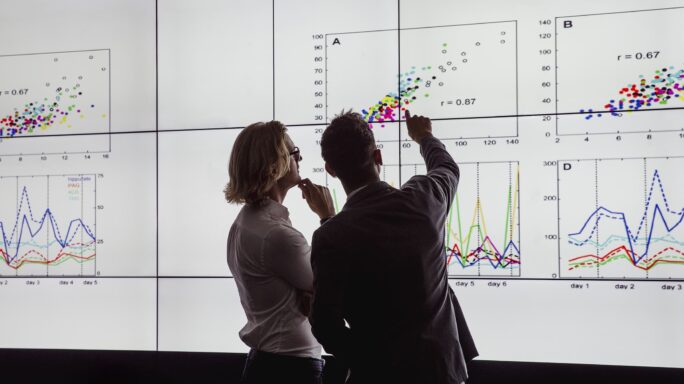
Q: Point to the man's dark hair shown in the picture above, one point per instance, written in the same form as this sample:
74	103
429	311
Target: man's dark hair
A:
347	145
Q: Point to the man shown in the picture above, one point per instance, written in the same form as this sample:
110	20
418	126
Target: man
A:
382	304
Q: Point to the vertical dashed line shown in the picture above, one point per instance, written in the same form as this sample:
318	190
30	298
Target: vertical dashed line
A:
596	205
477	210
47	232
82	224
16	271
510	226
645	205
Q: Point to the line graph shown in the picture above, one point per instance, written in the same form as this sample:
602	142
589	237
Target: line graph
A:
482	231
36	239
612	240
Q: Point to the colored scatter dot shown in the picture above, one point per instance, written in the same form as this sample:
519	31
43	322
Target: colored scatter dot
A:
434	77
427	95
444	44
92	105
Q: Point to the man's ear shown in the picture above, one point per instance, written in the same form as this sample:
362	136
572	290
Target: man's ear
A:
329	170
377	157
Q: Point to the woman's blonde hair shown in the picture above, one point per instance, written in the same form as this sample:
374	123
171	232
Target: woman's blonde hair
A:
260	157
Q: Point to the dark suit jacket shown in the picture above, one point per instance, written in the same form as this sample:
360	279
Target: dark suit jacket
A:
380	265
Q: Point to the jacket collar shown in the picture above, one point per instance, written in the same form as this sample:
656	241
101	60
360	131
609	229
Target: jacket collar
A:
365	192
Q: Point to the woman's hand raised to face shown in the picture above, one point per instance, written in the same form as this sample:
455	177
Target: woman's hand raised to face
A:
318	197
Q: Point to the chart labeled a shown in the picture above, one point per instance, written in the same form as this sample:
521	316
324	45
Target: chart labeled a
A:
443	72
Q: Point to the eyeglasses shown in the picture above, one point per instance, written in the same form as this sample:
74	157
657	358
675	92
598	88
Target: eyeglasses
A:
296	153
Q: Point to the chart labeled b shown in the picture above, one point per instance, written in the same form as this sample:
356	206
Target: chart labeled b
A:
616	76
621	218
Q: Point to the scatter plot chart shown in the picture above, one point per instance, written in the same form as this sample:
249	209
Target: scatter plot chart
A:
482	234
621	227
633	84
442	72
361	73
62	97
47	224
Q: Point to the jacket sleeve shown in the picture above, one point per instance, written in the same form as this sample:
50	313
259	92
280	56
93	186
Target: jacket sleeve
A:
442	170
327	313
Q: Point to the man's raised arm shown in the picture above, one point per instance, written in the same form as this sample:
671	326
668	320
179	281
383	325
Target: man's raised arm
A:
441	167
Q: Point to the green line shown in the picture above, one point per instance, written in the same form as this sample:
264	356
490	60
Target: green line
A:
451	212
465	250
337	209
613	238
621	256
460	229
508	214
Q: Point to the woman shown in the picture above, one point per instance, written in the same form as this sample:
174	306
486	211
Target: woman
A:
269	259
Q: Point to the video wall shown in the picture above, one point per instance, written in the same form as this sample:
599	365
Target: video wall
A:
565	242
